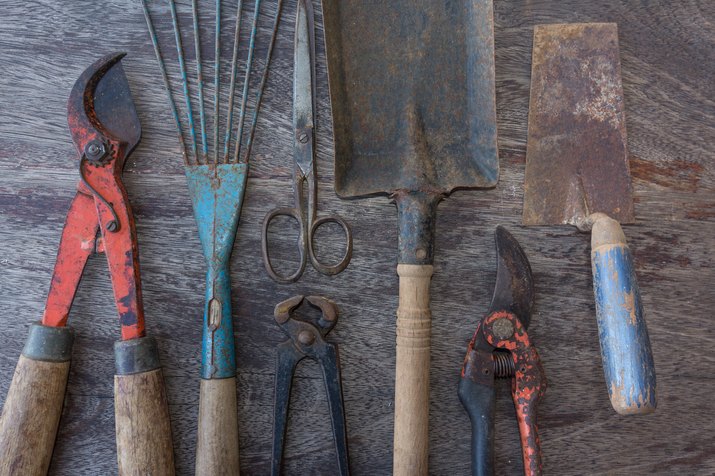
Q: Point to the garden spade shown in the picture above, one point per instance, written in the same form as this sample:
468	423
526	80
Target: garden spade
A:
414	117
577	173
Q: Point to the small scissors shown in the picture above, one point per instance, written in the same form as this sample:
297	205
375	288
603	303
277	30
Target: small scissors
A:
304	159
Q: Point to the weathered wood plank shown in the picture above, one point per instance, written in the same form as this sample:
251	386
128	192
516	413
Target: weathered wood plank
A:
668	61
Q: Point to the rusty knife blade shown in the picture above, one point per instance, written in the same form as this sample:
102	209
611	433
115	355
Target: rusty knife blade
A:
576	156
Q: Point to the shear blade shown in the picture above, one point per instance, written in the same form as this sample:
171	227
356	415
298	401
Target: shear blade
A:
514	289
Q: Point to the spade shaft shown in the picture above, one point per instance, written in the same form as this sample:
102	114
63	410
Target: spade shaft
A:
414	117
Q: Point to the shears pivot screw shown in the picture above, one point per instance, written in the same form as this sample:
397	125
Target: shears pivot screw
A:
502	328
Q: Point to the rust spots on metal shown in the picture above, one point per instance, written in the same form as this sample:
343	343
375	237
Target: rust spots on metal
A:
413	95
676	174
577	155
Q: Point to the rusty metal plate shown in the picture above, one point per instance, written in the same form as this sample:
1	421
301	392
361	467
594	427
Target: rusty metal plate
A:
413	95
576	156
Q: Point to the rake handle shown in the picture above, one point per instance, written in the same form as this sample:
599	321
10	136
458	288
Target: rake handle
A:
217	444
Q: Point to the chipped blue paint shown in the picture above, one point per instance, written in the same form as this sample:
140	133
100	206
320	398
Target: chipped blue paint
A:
217	194
625	347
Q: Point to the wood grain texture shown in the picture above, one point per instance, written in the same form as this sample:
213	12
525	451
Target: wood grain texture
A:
217	438
668	67
143	429
412	369
30	416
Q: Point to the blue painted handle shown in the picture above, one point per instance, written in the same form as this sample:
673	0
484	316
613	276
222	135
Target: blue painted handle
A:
625	346
218	353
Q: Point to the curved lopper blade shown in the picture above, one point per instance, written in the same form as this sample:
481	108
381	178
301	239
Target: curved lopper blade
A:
514	288
100	104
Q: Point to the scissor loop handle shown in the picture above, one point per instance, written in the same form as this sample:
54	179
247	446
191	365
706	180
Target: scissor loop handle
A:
343	263
295	214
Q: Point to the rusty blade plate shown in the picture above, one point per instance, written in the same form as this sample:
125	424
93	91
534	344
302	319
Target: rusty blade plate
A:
413	95
576	156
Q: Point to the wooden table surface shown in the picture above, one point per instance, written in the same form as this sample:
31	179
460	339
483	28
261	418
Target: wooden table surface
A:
668	62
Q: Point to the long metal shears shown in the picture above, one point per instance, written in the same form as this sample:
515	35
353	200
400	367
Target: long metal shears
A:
304	159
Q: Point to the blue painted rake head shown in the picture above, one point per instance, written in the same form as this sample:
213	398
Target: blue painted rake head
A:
217	181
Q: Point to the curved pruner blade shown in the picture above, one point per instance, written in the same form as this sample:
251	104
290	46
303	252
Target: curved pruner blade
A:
514	289
101	104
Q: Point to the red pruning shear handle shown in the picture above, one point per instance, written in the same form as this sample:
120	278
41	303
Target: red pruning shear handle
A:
105	129
500	348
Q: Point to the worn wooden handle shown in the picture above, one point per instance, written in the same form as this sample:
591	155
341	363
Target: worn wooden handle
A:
217	445
411	444
31	415
625	346
141	411
142	424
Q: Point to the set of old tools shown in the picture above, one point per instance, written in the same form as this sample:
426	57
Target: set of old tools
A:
412	88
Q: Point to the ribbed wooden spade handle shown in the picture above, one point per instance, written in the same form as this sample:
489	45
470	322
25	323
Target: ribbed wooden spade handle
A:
217	444
31	415
414	319
141	411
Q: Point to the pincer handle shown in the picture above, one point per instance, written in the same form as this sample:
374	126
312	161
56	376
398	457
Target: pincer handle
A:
31	415
141	411
625	346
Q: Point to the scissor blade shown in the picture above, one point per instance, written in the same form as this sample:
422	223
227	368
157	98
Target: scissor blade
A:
303	87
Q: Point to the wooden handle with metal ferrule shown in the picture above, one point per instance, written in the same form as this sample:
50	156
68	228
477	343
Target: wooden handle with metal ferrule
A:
31	415
141	411
411	443
625	346
217	444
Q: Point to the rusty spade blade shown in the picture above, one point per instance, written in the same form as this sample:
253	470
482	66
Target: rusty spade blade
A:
577	159
577	173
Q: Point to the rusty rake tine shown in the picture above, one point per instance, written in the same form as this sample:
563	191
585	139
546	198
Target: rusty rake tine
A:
264	78
247	80
165	78
184	77
217	77
232	87
200	78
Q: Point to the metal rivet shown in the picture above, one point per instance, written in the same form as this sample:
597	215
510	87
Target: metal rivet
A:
95	150
306	337
502	328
